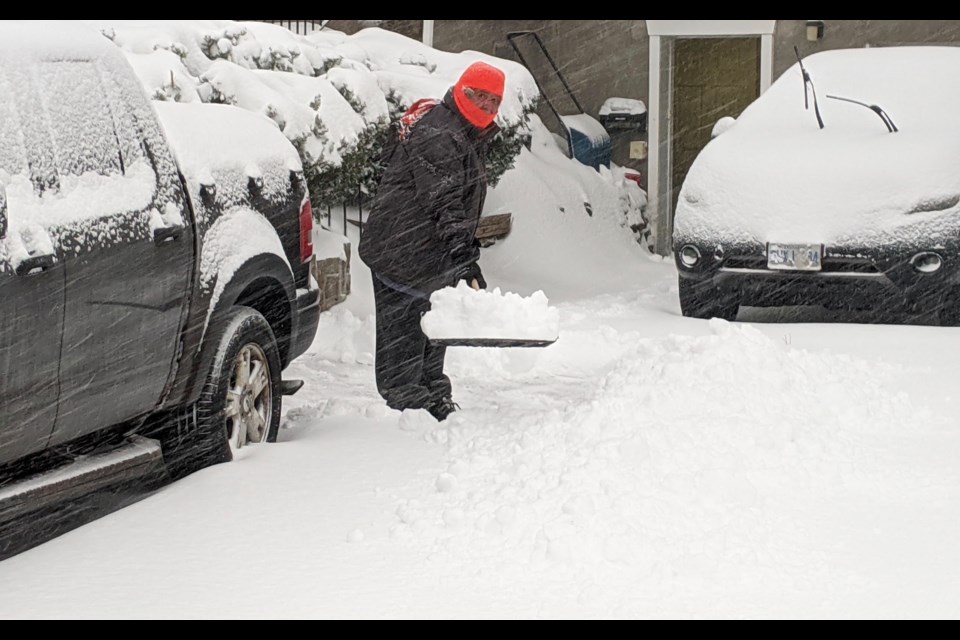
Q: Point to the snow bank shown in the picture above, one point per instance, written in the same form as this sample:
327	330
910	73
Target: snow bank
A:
322	90
687	461
571	224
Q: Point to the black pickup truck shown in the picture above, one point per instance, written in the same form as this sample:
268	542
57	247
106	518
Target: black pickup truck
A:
155	271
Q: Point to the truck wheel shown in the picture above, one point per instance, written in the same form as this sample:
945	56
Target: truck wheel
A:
240	401
703	300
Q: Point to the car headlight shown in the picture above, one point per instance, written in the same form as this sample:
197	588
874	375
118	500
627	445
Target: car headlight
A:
927	262
689	255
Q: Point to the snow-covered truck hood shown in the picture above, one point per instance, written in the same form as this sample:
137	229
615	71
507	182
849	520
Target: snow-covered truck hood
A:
775	176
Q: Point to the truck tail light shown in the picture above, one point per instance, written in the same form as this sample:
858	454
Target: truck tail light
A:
306	232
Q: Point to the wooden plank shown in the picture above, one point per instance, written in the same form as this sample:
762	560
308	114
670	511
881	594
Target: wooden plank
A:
494	227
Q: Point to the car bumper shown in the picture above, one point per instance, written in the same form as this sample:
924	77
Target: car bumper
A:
307	311
854	283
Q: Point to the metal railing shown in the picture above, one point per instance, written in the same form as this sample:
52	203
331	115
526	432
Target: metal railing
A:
301	27
347	220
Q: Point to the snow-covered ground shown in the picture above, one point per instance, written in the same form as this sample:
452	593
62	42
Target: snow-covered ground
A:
644	465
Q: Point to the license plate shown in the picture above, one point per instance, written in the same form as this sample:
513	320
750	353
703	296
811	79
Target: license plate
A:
794	257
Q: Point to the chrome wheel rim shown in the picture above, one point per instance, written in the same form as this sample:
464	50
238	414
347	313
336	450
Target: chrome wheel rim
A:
249	402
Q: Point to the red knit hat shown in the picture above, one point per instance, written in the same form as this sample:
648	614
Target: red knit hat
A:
479	75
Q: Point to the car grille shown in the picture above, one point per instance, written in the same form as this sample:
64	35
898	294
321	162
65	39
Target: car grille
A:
745	262
849	265
830	264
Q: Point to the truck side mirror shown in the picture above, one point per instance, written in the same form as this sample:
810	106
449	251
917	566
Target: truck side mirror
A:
3	212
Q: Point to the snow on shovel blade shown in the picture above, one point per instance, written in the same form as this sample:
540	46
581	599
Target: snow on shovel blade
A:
461	316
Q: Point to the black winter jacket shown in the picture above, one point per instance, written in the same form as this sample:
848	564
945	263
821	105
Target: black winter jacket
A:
420	232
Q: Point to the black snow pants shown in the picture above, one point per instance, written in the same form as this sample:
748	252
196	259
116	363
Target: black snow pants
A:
409	370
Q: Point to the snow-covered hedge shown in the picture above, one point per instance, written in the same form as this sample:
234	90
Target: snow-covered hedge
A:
332	95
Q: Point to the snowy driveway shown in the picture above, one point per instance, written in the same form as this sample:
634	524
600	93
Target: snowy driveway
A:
646	465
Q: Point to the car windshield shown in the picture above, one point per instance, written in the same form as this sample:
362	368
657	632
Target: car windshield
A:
917	85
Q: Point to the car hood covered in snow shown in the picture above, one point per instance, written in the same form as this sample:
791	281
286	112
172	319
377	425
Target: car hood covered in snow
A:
775	176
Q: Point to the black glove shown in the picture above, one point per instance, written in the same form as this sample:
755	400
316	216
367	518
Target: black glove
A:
464	254
471	272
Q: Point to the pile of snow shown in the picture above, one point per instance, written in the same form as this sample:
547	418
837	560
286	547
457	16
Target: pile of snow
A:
463	312
694	458
571	229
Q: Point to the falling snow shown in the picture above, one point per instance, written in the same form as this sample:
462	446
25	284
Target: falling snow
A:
795	464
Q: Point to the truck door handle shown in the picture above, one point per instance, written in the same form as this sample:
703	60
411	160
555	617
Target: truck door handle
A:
36	264
167	234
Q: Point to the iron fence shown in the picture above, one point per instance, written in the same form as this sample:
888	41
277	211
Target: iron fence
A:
301	27
347	217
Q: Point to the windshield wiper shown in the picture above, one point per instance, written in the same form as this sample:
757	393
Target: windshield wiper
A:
807	80
875	108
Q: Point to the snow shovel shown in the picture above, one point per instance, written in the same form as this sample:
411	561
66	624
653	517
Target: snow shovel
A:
491	342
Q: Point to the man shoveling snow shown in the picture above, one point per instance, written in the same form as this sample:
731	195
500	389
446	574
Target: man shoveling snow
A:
420	235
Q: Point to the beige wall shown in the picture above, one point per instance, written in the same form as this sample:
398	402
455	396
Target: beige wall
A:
842	34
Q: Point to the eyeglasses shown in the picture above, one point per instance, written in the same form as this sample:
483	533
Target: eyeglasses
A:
488	102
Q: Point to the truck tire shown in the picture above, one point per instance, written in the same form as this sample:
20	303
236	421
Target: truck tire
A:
240	400
703	300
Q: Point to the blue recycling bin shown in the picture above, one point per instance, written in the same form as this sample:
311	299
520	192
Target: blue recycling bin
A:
590	142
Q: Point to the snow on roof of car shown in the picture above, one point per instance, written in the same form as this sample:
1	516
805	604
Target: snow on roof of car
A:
52	38
774	175
210	137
